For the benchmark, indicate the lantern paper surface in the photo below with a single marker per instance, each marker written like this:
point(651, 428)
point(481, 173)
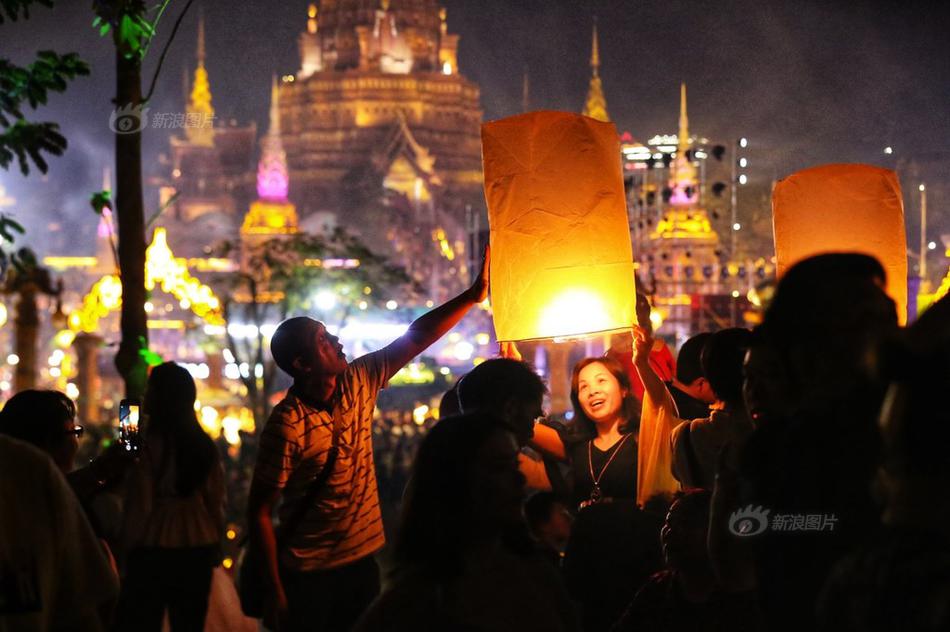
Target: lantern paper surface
point(843, 208)
point(562, 264)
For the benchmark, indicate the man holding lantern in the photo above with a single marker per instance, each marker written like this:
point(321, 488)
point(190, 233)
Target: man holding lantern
point(315, 461)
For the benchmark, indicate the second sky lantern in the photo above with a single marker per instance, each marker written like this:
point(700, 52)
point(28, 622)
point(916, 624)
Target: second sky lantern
point(562, 263)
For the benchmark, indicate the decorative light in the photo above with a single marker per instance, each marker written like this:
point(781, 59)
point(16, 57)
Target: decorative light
point(737, 226)
point(325, 300)
point(743, 162)
point(559, 229)
point(3, 314)
point(735, 294)
point(363, 305)
point(72, 391)
point(391, 304)
point(419, 414)
point(13, 359)
point(932, 245)
point(743, 178)
point(463, 350)
point(743, 142)
point(445, 370)
point(162, 268)
point(888, 150)
point(922, 188)
point(482, 338)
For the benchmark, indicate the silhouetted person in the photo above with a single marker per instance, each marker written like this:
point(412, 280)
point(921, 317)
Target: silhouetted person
point(690, 389)
point(815, 447)
point(686, 596)
point(900, 581)
point(549, 522)
point(54, 575)
point(174, 511)
point(460, 564)
point(697, 443)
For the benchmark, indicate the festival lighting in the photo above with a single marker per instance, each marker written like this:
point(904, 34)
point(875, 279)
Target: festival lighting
point(325, 300)
point(163, 269)
point(843, 208)
point(563, 263)
point(3, 314)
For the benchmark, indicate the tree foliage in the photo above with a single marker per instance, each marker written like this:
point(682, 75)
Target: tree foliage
point(31, 85)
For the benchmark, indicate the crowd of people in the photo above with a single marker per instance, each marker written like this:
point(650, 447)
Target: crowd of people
point(790, 477)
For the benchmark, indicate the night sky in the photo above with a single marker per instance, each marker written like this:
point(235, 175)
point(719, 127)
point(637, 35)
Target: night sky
point(807, 82)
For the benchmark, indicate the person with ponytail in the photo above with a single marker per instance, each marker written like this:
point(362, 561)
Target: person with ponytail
point(174, 511)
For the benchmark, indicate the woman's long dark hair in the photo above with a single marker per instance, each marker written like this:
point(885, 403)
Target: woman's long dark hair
point(170, 406)
point(630, 408)
point(435, 526)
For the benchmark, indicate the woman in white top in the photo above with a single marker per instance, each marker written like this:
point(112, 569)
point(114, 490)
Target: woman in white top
point(174, 511)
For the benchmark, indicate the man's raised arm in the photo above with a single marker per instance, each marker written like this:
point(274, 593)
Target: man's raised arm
point(436, 323)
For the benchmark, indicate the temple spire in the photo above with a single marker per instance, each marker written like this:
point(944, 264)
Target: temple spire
point(596, 104)
point(272, 176)
point(683, 179)
point(684, 120)
point(199, 128)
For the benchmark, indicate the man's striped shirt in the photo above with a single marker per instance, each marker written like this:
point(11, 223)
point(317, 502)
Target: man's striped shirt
point(344, 523)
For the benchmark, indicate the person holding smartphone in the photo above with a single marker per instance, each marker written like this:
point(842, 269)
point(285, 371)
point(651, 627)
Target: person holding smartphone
point(174, 511)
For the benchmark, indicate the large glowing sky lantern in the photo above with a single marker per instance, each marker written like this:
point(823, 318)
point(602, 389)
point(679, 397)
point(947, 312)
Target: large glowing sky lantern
point(843, 208)
point(562, 264)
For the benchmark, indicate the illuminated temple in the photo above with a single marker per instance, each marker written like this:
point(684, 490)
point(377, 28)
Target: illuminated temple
point(381, 129)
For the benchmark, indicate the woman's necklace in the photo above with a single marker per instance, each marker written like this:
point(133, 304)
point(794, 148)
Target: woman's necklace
point(595, 494)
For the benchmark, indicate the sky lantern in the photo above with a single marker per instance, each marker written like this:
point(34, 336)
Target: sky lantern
point(843, 208)
point(562, 263)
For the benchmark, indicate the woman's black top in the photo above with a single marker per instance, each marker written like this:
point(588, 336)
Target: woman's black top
point(619, 480)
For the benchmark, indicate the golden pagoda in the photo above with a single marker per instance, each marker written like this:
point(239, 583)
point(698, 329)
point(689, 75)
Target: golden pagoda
point(271, 213)
point(370, 70)
point(683, 247)
point(596, 104)
point(383, 134)
point(199, 127)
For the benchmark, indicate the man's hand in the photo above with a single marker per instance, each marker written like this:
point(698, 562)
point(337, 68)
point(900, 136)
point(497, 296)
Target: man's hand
point(642, 345)
point(479, 289)
point(509, 350)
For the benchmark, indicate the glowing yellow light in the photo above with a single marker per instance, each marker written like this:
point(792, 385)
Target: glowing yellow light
point(656, 319)
point(161, 268)
point(64, 338)
point(482, 339)
point(227, 562)
point(477, 361)
point(209, 421)
point(419, 414)
point(3, 314)
point(413, 373)
point(571, 311)
point(231, 534)
point(753, 297)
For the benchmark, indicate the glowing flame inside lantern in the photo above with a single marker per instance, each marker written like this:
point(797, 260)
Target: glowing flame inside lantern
point(574, 311)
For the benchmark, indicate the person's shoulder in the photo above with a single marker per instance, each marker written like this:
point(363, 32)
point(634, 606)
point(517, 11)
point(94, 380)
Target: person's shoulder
point(19, 456)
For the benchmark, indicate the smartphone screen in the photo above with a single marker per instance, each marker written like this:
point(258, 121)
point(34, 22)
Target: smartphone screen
point(129, 424)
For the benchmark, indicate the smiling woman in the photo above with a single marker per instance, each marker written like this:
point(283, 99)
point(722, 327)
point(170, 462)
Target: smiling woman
point(613, 544)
